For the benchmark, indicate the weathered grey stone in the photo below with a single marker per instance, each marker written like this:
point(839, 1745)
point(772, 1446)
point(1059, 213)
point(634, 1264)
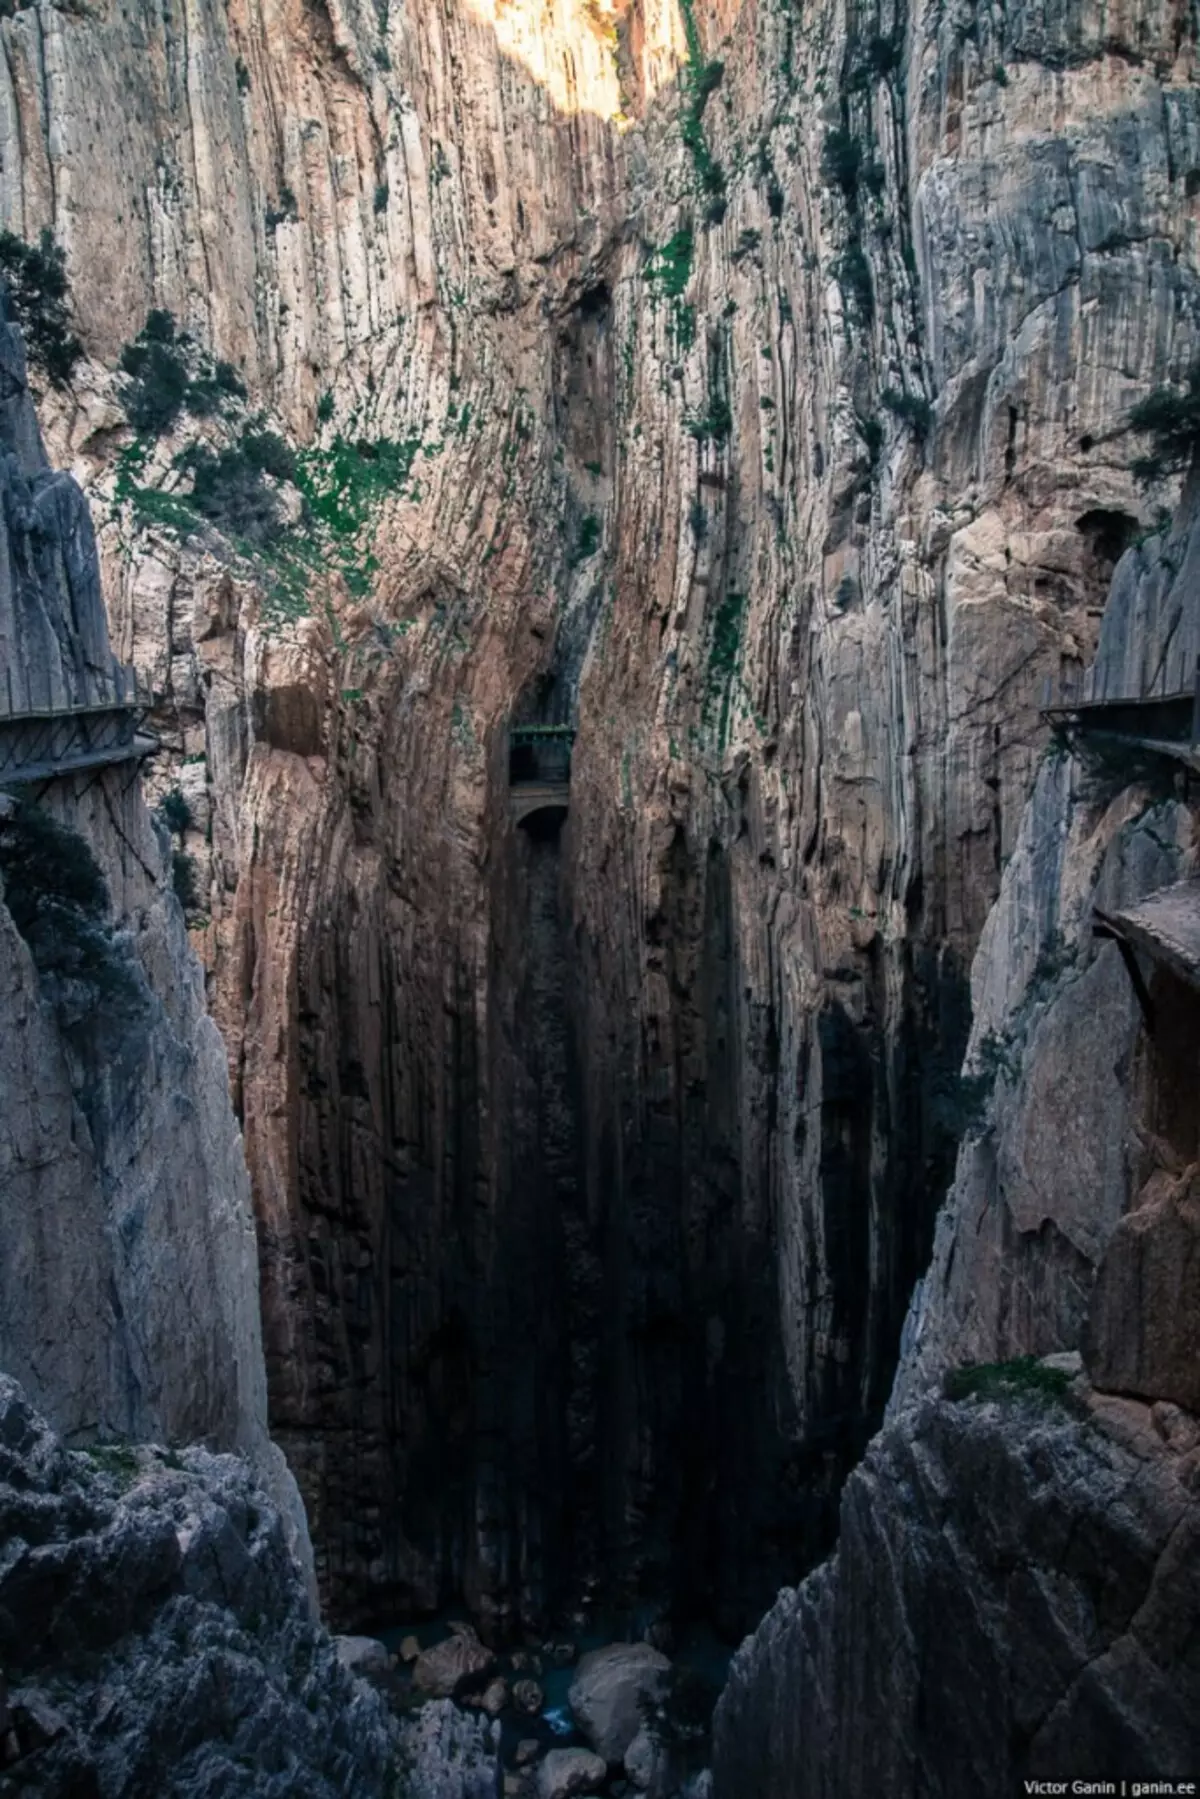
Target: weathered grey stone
point(610, 1688)
point(566, 1772)
point(1013, 1597)
point(362, 1655)
point(439, 1671)
point(1143, 1334)
point(129, 1280)
point(157, 1637)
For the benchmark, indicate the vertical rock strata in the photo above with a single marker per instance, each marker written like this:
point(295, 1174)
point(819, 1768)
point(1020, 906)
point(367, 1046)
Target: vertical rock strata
point(1014, 1591)
point(128, 1280)
point(753, 385)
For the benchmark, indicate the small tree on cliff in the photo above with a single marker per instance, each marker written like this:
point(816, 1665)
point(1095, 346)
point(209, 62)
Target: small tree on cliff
point(35, 283)
point(1170, 418)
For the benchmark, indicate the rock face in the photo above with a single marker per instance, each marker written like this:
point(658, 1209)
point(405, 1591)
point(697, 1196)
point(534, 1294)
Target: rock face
point(156, 1636)
point(763, 419)
point(609, 1691)
point(128, 1280)
point(1074, 1103)
point(1013, 1597)
point(565, 1772)
point(440, 1670)
point(1144, 1321)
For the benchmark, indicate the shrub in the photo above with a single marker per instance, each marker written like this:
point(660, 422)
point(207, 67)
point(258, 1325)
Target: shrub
point(157, 376)
point(183, 879)
point(589, 538)
point(914, 409)
point(210, 389)
point(1024, 1376)
point(381, 197)
point(228, 489)
point(243, 76)
point(671, 269)
point(713, 425)
point(175, 812)
point(35, 279)
point(1171, 420)
point(58, 901)
point(325, 407)
point(841, 161)
point(854, 273)
point(165, 372)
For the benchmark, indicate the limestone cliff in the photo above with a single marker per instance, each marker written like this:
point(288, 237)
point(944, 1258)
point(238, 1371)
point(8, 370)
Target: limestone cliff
point(1013, 1595)
point(745, 387)
point(156, 1639)
point(128, 1280)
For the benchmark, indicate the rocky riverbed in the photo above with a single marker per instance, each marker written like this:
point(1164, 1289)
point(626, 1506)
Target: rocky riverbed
point(620, 1718)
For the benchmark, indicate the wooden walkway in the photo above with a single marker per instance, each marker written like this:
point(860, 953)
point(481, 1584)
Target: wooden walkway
point(42, 746)
point(1163, 724)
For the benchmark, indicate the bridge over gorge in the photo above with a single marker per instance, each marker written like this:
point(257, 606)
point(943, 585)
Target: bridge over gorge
point(44, 743)
point(1165, 723)
point(539, 771)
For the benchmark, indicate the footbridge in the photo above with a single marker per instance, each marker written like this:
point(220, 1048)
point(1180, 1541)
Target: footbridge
point(539, 771)
point(1166, 723)
point(43, 743)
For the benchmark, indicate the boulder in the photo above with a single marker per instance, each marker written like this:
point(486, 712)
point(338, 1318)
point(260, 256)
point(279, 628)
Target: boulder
point(410, 1649)
point(566, 1772)
point(528, 1750)
point(643, 1760)
point(528, 1696)
point(362, 1655)
point(493, 1698)
point(610, 1688)
point(438, 1671)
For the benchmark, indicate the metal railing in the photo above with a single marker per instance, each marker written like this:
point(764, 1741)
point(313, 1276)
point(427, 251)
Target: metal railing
point(540, 755)
point(117, 685)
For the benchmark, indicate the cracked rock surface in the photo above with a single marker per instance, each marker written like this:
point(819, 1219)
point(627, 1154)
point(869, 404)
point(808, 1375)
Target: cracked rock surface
point(156, 1639)
point(1014, 1596)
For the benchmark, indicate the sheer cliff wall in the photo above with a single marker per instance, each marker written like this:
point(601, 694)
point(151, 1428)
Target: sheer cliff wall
point(128, 1282)
point(1014, 1593)
point(752, 385)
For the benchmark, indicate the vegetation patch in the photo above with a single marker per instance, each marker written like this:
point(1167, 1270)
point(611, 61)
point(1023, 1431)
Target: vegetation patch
point(723, 651)
point(58, 900)
point(914, 409)
point(229, 488)
point(35, 280)
point(1170, 418)
point(166, 372)
point(1024, 1377)
point(701, 79)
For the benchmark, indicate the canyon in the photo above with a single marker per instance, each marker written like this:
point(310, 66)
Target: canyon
point(741, 393)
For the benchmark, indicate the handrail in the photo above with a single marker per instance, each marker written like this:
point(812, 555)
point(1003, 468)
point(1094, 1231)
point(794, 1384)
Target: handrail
point(117, 690)
point(1181, 707)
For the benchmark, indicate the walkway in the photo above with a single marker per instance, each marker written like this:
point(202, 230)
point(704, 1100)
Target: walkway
point(1164, 724)
point(539, 770)
point(43, 744)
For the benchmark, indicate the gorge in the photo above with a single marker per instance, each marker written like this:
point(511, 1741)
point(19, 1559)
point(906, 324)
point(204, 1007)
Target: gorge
point(576, 1206)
